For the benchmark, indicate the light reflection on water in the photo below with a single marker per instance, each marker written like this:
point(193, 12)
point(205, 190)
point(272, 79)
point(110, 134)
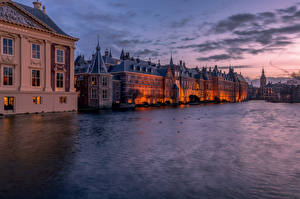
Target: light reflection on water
point(248, 150)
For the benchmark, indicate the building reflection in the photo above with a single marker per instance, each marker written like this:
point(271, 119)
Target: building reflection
point(33, 150)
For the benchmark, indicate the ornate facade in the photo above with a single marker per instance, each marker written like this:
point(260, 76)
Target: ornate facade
point(36, 61)
point(143, 82)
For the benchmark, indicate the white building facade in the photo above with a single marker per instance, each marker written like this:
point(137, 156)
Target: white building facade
point(36, 62)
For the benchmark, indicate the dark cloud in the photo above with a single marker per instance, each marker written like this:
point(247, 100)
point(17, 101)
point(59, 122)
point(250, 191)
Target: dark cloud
point(207, 46)
point(266, 18)
point(288, 10)
point(134, 25)
point(235, 67)
point(292, 17)
point(180, 23)
point(234, 22)
point(118, 4)
point(131, 42)
point(146, 52)
point(250, 34)
point(189, 38)
point(245, 21)
point(220, 57)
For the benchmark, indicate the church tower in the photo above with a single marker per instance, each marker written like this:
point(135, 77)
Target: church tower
point(263, 82)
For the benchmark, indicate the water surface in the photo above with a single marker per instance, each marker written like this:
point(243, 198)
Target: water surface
point(246, 150)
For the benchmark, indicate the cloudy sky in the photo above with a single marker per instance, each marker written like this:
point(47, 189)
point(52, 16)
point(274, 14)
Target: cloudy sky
point(245, 34)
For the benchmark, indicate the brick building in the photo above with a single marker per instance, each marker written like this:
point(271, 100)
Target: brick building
point(143, 82)
point(94, 84)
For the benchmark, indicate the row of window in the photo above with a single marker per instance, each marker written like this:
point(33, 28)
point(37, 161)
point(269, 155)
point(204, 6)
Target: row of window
point(8, 74)
point(140, 68)
point(94, 94)
point(8, 49)
point(144, 81)
point(9, 102)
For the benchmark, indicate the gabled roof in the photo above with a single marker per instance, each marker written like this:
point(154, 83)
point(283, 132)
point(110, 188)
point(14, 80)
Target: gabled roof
point(44, 18)
point(17, 13)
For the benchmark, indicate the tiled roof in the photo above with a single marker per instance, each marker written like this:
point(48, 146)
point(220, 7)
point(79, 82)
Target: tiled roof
point(133, 66)
point(43, 18)
point(97, 65)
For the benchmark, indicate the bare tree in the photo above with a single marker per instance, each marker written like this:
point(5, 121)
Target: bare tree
point(296, 75)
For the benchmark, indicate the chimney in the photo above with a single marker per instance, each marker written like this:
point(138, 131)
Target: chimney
point(37, 5)
point(44, 9)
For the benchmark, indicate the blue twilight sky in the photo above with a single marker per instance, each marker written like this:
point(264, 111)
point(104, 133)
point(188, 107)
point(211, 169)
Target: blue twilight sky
point(247, 34)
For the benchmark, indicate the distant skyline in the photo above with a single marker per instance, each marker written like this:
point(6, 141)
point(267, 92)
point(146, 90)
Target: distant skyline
point(245, 34)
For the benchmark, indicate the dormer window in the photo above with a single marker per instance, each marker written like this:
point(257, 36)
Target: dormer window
point(7, 46)
point(59, 56)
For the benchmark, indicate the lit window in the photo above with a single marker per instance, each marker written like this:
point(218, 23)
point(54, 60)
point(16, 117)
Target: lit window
point(104, 81)
point(37, 100)
point(36, 78)
point(62, 100)
point(36, 51)
point(7, 76)
point(93, 80)
point(94, 94)
point(7, 46)
point(9, 103)
point(59, 56)
point(104, 94)
point(59, 80)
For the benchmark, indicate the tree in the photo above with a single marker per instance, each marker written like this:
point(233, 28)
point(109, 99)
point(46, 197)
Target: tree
point(133, 94)
point(296, 75)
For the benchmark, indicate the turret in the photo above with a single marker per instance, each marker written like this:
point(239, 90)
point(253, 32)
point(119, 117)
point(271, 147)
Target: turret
point(171, 60)
point(122, 56)
point(263, 82)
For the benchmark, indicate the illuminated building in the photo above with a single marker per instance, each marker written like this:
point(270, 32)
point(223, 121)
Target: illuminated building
point(144, 83)
point(288, 92)
point(36, 61)
point(283, 92)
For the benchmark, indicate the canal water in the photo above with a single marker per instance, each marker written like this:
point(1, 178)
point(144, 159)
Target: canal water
point(244, 150)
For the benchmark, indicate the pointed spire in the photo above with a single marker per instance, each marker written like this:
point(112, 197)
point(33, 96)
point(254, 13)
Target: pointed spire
point(98, 45)
point(97, 66)
point(122, 56)
point(263, 73)
point(110, 55)
point(171, 60)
